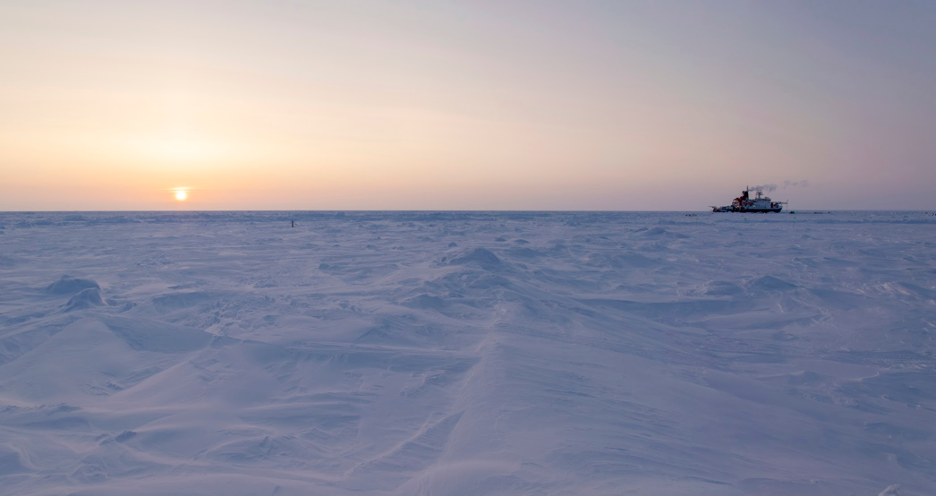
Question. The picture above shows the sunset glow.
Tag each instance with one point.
(181, 195)
(613, 105)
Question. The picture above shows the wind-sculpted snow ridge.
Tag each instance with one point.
(465, 353)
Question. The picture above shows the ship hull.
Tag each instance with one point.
(759, 210)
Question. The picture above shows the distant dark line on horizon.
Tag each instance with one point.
(803, 210)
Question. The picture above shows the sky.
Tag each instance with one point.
(473, 105)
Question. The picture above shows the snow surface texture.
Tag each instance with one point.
(467, 353)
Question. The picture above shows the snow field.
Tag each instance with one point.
(387, 353)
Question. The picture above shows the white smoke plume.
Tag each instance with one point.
(767, 188)
(795, 184)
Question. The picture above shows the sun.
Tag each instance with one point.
(180, 194)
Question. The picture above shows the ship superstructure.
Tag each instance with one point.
(758, 204)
